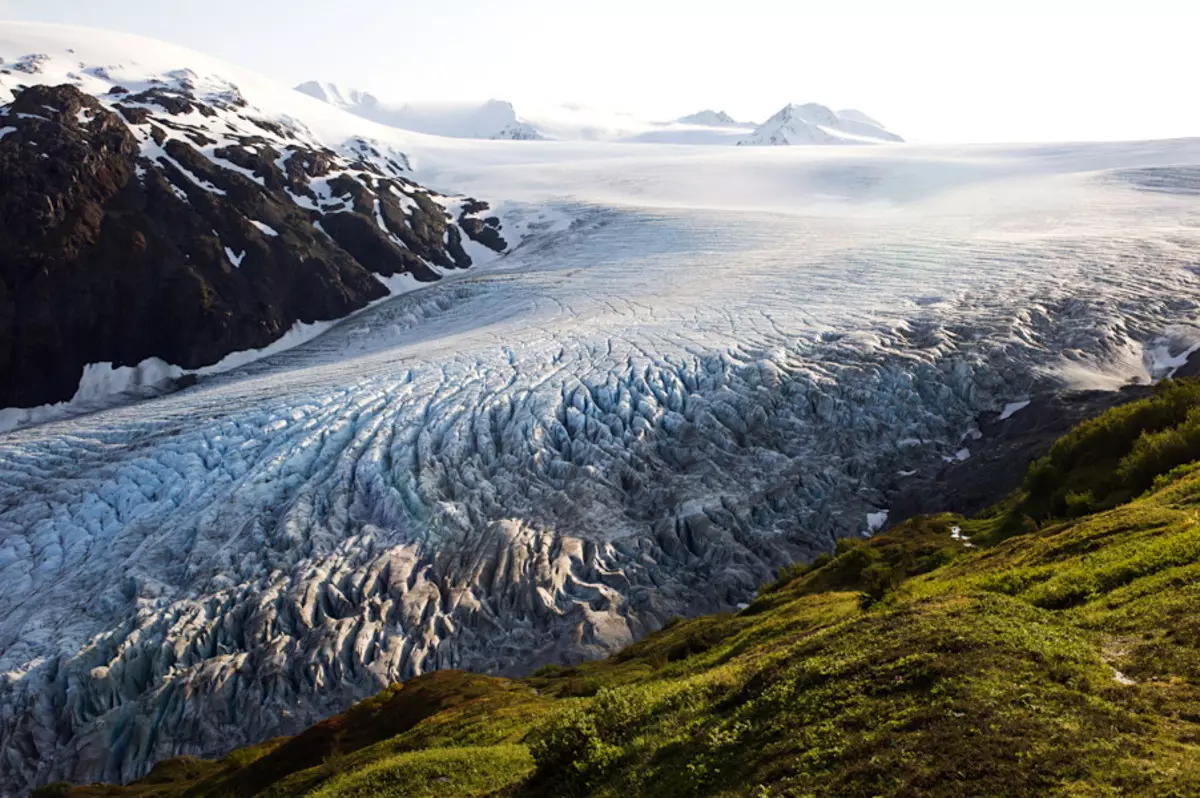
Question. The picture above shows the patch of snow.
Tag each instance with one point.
(4, 131)
(264, 229)
(235, 258)
(299, 333)
(1159, 361)
(877, 520)
(1012, 408)
(1121, 678)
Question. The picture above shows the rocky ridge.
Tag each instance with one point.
(175, 223)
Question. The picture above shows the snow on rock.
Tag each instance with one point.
(230, 148)
(1012, 408)
(1168, 353)
(876, 521)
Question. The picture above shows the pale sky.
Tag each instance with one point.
(1009, 70)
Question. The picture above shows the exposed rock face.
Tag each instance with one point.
(165, 225)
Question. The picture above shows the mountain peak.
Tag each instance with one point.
(708, 117)
(813, 123)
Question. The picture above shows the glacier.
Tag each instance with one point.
(699, 364)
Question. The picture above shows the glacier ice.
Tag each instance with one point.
(644, 415)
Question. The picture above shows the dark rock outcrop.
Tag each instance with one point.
(127, 234)
(482, 231)
(1000, 458)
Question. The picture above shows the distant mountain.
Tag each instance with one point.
(473, 120)
(708, 117)
(498, 119)
(815, 124)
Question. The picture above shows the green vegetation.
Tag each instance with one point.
(1056, 652)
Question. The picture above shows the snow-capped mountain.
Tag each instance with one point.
(708, 117)
(496, 119)
(492, 119)
(815, 124)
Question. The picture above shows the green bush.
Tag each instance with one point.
(878, 579)
(1112, 458)
(580, 743)
(1159, 453)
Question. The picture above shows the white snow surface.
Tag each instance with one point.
(700, 364)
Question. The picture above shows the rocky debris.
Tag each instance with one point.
(999, 458)
(117, 222)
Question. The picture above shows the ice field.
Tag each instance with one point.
(700, 364)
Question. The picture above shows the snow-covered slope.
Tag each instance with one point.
(815, 124)
(702, 363)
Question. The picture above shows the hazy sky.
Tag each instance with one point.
(1011, 70)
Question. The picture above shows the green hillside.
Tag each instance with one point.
(1048, 648)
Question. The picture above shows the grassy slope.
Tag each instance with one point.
(1056, 654)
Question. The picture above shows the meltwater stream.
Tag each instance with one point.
(644, 416)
